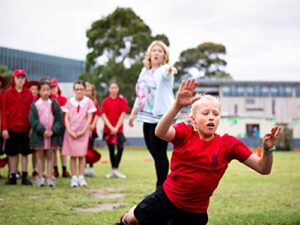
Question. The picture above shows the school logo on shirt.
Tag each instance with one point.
(215, 160)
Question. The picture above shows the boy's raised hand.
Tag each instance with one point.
(271, 137)
(185, 93)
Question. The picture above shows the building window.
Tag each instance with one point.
(250, 91)
(264, 91)
(274, 91)
(297, 91)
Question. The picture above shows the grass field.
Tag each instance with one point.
(243, 196)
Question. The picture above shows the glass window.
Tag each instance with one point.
(264, 91)
(297, 91)
(240, 91)
(226, 91)
(274, 91)
(250, 91)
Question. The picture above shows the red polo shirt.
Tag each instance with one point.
(197, 167)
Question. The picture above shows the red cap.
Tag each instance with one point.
(54, 83)
(19, 72)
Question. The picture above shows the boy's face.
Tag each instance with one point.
(19, 81)
(207, 116)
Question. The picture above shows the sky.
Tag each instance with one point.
(262, 37)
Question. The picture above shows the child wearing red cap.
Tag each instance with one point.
(15, 125)
(62, 100)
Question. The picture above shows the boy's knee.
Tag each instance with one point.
(130, 219)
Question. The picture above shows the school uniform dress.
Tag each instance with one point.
(77, 112)
(45, 115)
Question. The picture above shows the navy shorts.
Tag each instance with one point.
(17, 143)
(156, 209)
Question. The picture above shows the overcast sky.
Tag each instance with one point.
(261, 36)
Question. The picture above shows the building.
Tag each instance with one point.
(38, 65)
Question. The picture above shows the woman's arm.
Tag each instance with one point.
(263, 165)
(107, 123)
(120, 121)
(132, 116)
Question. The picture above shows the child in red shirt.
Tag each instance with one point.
(113, 109)
(199, 160)
(16, 103)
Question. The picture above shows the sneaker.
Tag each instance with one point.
(26, 181)
(18, 175)
(119, 174)
(40, 182)
(50, 182)
(34, 173)
(66, 174)
(12, 180)
(91, 173)
(74, 181)
(81, 181)
(111, 175)
(86, 172)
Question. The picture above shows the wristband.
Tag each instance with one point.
(270, 150)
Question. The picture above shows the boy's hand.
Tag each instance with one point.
(185, 93)
(270, 138)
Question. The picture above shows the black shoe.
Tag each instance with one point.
(26, 181)
(11, 181)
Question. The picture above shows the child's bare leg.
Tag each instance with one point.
(73, 165)
(129, 218)
(40, 163)
(49, 156)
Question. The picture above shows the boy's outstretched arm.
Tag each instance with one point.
(264, 165)
(184, 97)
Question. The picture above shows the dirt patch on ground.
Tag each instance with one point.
(101, 207)
(102, 194)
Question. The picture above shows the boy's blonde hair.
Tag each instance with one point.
(147, 59)
(196, 104)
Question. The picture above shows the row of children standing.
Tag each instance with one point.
(55, 123)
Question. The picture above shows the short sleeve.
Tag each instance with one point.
(124, 104)
(182, 130)
(237, 149)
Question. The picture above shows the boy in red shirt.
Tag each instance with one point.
(199, 160)
(15, 109)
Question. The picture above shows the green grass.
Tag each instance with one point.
(243, 196)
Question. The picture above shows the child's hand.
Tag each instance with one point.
(171, 70)
(73, 135)
(185, 93)
(114, 131)
(270, 138)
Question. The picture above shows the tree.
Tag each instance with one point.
(5, 72)
(203, 60)
(118, 44)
